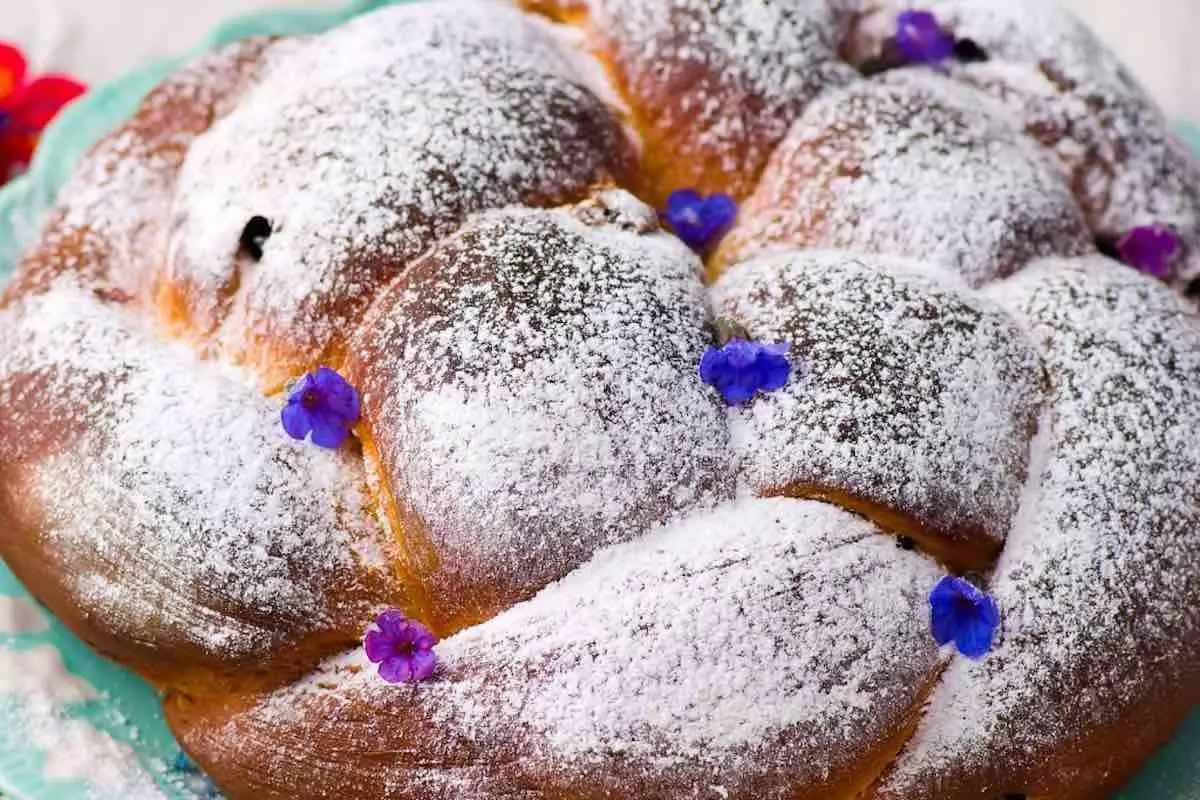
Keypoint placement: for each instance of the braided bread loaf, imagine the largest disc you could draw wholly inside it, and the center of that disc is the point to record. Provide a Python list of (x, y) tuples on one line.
[(642, 593)]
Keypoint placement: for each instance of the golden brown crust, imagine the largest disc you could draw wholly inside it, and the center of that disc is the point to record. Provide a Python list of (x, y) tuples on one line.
[(479, 431), (967, 192), (118, 247), (517, 713), (530, 399), (710, 87)]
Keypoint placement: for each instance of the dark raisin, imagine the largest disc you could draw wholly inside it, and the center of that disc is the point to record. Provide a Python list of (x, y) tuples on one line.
[(254, 236), (1193, 288), (968, 51), (905, 543), (1108, 246)]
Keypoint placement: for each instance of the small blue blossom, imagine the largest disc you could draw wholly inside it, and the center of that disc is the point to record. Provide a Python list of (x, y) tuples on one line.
[(698, 220), (1151, 249), (402, 647), (324, 404), (963, 614), (740, 368), (921, 40)]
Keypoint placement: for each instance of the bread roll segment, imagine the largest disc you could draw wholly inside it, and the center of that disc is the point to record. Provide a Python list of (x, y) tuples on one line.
[(399, 130), (641, 591), (531, 396), (150, 500), (767, 649), (1100, 656), (914, 403)]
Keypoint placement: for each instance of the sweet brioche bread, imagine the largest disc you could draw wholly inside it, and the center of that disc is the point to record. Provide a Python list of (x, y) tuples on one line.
[(640, 590), (917, 377), (532, 379), (907, 164)]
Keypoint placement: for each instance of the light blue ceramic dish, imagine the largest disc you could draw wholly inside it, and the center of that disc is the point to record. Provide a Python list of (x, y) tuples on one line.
[(123, 710)]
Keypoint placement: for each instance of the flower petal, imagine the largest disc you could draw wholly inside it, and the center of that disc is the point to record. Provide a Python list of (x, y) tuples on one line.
[(392, 622), (944, 609), (711, 364), (340, 398), (378, 645), (720, 210), (396, 670), (12, 71), (296, 420), (739, 391), (37, 103), (946, 621), (423, 663), (424, 640), (681, 201), (16, 151), (975, 636), (328, 431), (774, 372), (740, 353)]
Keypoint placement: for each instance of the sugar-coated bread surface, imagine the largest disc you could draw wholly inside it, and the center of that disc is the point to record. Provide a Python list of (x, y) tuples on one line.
[(643, 588), (918, 402)]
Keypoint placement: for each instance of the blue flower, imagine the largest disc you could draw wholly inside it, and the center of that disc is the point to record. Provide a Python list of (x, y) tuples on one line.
[(740, 368), (1150, 249), (963, 614), (921, 39), (699, 221), (324, 404), (402, 647)]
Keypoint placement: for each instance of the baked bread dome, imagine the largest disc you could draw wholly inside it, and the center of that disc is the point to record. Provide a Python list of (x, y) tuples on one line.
[(641, 590)]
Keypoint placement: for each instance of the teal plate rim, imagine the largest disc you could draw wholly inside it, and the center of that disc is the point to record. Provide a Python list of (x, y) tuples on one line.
[(127, 709)]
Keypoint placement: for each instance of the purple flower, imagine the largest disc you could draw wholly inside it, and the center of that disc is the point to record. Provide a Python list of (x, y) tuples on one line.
[(324, 404), (921, 39), (699, 221), (740, 368), (963, 614), (403, 648), (1150, 249)]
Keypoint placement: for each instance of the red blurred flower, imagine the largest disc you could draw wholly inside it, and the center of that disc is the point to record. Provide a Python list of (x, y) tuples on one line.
[(26, 108)]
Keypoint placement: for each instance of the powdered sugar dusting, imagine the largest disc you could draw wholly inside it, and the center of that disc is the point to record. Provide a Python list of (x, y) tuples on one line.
[(715, 85), (916, 395), (531, 392), (1071, 93), (18, 615), (1099, 578), (172, 502), (531, 387), (110, 225), (364, 147), (912, 164), (764, 643), (37, 693)]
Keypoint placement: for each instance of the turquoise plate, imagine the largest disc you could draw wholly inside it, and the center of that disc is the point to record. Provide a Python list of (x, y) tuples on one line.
[(46, 725)]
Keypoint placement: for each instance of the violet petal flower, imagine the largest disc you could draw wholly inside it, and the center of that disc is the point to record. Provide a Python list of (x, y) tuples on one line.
[(1150, 249), (698, 220), (739, 369), (921, 39), (962, 613), (324, 404), (403, 648)]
